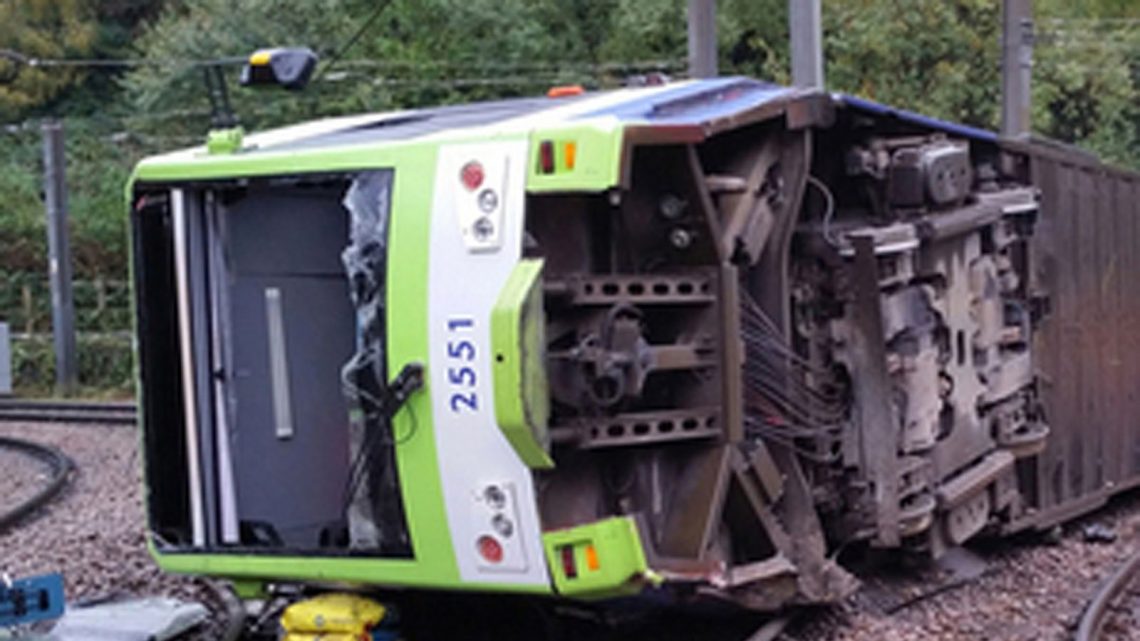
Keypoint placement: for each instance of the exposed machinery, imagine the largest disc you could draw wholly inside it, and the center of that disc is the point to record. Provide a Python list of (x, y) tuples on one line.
[(686, 340)]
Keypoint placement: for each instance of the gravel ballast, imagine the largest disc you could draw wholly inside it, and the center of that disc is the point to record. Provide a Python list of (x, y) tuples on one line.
[(1032, 590), (93, 532), (21, 476)]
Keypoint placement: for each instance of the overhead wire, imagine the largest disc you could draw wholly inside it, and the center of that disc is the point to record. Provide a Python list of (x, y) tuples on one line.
[(355, 37), (512, 66), (117, 63), (372, 63), (536, 74), (1105, 20)]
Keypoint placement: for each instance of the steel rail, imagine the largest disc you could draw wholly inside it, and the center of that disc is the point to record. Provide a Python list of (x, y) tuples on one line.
[(1092, 621), (61, 467), (67, 411)]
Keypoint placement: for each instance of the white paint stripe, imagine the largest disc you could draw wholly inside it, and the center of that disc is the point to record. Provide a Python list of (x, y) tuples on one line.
[(182, 284), (291, 133), (556, 114), (319, 127), (463, 286)]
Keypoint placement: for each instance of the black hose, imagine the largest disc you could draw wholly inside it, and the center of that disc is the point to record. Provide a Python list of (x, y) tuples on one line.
[(61, 467), (234, 610)]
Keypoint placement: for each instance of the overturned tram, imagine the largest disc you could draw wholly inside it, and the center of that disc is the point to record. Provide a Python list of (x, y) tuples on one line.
[(686, 341)]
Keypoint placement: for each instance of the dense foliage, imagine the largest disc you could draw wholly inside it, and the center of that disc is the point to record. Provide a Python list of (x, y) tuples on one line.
[(138, 87)]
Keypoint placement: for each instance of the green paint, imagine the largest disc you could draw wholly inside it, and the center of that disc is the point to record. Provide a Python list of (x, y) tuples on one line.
[(597, 168), (407, 314), (315, 569), (224, 141), (518, 339), (249, 589), (597, 164), (407, 300), (197, 164), (622, 569), (136, 365)]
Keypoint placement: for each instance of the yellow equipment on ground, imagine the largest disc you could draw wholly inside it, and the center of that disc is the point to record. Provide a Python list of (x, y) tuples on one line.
[(332, 617)]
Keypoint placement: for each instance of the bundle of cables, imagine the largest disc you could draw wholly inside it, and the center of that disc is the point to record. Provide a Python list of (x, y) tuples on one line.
[(788, 399), (373, 465)]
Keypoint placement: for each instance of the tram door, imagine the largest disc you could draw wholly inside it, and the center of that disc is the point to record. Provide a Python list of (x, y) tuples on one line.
[(288, 328)]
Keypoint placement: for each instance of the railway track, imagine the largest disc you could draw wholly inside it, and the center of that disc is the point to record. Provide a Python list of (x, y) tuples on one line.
[(46, 411), (1117, 598), (60, 467)]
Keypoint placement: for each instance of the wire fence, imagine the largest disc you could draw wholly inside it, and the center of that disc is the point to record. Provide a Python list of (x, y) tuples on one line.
[(101, 305), (103, 343), (105, 361)]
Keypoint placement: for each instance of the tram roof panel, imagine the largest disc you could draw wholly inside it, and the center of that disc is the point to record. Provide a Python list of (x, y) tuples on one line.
[(709, 104)]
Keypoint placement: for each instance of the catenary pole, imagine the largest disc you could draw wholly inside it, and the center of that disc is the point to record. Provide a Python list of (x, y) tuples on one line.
[(1016, 66), (702, 38), (806, 32), (59, 259)]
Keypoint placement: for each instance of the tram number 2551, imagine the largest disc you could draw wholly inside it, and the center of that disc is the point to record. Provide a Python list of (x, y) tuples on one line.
[(461, 355)]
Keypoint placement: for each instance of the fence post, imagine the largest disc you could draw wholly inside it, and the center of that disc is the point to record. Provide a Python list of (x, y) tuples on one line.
[(29, 308), (5, 360)]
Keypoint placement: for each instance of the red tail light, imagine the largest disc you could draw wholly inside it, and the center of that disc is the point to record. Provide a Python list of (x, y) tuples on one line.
[(471, 175), (489, 549), (546, 157), (569, 565)]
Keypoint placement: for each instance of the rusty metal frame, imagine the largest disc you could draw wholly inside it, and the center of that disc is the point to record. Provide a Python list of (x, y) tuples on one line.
[(877, 419)]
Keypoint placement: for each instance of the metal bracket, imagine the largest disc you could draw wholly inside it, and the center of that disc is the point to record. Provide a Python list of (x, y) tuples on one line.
[(878, 422), (407, 382)]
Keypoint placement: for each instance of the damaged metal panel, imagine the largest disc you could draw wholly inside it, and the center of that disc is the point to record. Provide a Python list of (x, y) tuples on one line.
[(694, 517), (787, 325), (1088, 353)]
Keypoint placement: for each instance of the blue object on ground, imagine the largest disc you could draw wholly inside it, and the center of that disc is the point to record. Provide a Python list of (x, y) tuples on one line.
[(37, 598)]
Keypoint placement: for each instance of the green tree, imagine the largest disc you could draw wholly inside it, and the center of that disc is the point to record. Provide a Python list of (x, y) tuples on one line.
[(31, 29), (187, 33), (943, 58), (1086, 85), (935, 57), (415, 53)]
